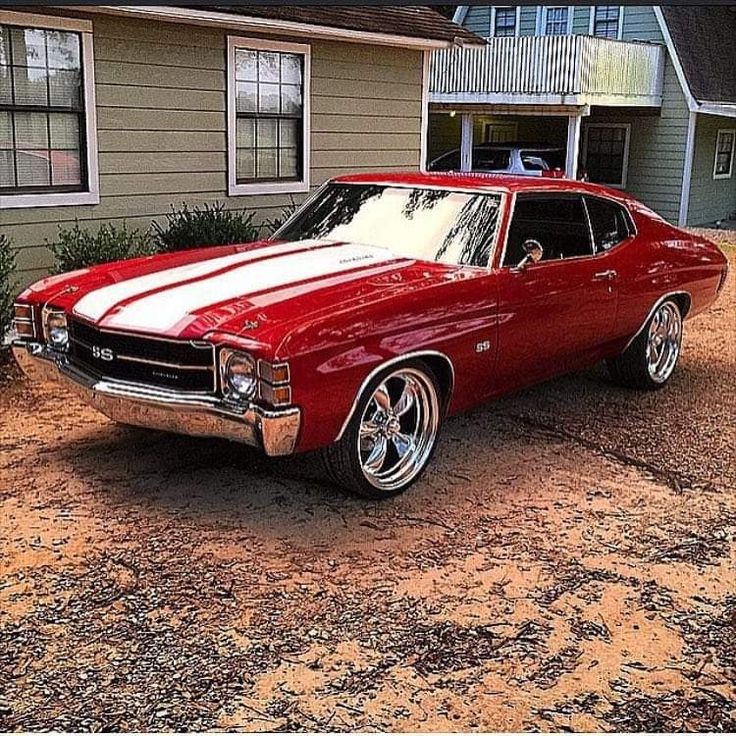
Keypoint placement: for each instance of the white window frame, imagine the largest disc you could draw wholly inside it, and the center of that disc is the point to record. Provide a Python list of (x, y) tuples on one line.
[(234, 189), (517, 26), (542, 18), (591, 22), (727, 131), (627, 139), (92, 194)]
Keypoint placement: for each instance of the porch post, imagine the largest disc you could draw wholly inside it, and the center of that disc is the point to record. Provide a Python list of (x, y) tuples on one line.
[(466, 142), (573, 145)]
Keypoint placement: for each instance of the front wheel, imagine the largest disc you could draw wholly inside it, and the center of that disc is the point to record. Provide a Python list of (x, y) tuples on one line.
[(650, 360), (391, 435)]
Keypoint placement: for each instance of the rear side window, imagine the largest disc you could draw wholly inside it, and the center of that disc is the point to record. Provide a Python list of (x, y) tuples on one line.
[(558, 223), (491, 160), (609, 222)]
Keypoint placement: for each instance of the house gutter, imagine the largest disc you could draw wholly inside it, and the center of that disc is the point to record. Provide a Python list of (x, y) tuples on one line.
[(210, 18)]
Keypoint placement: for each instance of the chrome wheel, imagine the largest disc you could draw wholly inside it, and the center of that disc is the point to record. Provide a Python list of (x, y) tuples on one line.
[(663, 342), (398, 429)]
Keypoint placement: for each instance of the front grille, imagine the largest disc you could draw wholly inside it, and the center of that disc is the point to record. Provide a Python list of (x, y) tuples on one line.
[(177, 364)]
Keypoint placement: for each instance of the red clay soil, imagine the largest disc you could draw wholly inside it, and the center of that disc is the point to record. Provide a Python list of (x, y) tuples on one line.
[(569, 562)]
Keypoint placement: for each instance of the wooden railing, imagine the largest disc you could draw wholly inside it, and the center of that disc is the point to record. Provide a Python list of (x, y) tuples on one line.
[(550, 69)]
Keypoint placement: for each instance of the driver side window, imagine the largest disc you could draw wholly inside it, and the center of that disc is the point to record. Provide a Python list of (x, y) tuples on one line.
[(557, 222)]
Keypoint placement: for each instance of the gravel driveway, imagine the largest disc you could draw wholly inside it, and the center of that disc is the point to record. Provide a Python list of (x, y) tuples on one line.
[(569, 562)]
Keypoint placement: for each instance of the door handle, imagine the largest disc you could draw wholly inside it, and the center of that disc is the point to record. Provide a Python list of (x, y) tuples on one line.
[(609, 275)]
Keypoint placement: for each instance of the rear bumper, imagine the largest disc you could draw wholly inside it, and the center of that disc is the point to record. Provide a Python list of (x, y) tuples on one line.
[(275, 432)]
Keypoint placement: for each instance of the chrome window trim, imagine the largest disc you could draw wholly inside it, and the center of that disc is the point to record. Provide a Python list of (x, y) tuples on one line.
[(663, 298), (387, 364)]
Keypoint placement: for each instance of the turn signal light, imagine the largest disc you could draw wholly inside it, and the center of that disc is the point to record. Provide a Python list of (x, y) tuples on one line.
[(276, 395), (273, 373), (23, 323)]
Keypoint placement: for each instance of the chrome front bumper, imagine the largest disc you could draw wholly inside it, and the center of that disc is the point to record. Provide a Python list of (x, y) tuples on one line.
[(275, 432)]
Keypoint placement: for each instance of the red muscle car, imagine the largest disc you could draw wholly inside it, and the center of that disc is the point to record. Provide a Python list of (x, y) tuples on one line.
[(383, 305)]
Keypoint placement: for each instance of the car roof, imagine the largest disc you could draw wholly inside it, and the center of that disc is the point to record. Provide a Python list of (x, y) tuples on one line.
[(504, 183), (509, 147)]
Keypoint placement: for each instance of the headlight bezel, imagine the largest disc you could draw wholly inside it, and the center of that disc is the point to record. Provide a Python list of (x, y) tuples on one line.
[(229, 358), (56, 329)]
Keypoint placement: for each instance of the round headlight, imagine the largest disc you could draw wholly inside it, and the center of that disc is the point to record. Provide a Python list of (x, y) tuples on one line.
[(241, 375), (57, 331)]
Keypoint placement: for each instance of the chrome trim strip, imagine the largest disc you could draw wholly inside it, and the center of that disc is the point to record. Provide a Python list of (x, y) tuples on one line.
[(274, 431), (654, 309), (387, 364)]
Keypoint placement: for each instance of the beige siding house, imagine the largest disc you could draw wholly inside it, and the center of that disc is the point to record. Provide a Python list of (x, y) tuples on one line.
[(119, 113)]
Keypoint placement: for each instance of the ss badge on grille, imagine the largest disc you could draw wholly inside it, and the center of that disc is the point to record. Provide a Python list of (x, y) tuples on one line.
[(102, 353)]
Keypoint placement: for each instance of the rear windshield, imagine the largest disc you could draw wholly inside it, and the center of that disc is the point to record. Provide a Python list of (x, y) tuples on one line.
[(427, 224)]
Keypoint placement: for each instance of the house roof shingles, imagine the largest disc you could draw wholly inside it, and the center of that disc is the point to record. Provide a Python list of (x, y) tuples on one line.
[(410, 21), (705, 41)]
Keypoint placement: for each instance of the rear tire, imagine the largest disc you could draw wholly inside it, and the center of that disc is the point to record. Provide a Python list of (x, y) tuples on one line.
[(392, 433), (649, 362)]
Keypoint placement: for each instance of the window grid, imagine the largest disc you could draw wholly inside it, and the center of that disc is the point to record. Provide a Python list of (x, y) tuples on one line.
[(605, 154), (269, 143), (556, 21), (606, 21), (504, 23), (723, 166), (52, 168)]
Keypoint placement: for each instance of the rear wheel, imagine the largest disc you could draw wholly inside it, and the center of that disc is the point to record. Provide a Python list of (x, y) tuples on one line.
[(650, 360), (391, 435)]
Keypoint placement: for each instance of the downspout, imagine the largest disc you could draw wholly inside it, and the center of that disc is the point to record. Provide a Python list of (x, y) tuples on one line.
[(687, 171)]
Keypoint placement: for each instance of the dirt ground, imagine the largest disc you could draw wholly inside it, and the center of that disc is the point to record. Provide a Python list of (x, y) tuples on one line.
[(568, 563)]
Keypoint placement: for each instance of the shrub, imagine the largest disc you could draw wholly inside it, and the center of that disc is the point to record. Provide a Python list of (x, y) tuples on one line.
[(7, 285), (76, 247), (207, 225), (287, 211)]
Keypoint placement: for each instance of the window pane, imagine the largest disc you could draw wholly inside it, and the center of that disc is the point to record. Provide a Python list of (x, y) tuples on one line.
[(6, 95), (268, 98), (291, 69), (65, 168), (7, 170), (288, 162), (268, 66), (267, 136), (245, 164), (64, 131), (31, 86), (291, 100), (246, 65), (64, 88), (6, 130), (4, 46), (29, 47), (33, 168), (63, 50), (267, 163), (246, 133), (289, 133), (607, 222), (247, 97), (31, 130)]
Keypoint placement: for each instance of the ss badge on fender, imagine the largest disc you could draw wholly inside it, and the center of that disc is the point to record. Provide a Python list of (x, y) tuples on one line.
[(102, 353)]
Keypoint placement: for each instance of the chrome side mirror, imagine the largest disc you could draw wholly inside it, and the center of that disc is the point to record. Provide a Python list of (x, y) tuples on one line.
[(533, 253)]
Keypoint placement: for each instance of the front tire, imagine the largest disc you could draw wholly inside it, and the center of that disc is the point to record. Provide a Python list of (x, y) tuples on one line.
[(391, 436), (649, 362)]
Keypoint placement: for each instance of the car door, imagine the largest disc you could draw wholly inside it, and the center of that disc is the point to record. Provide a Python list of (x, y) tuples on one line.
[(557, 314)]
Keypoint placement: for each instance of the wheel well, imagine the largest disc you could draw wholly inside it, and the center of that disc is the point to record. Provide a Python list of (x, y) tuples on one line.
[(442, 369), (684, 302)]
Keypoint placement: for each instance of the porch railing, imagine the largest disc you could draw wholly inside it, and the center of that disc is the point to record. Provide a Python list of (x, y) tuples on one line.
[(550, 69)]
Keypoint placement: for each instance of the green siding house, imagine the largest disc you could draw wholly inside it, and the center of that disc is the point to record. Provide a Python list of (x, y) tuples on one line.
[(113, 113), (638, 97)]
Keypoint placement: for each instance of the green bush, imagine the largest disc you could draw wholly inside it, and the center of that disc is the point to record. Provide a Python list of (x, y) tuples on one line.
[(7, 285), (207, 225), (76, 247), (272, 225)]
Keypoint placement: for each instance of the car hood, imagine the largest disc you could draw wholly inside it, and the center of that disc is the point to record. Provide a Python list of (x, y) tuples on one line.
[(256, 292)]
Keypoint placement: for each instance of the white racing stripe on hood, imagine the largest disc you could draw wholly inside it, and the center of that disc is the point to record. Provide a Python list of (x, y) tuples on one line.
[(98, 302), (165, 309)]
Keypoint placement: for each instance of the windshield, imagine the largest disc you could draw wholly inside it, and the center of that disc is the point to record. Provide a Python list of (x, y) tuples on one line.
[(426, 224)]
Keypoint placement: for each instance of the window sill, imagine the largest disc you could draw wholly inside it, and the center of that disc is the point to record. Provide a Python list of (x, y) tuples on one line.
[(718, 177), (275, 187), (55, 199)]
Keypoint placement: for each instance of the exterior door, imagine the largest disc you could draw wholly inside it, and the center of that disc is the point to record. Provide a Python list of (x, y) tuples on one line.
[(558, 314)]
